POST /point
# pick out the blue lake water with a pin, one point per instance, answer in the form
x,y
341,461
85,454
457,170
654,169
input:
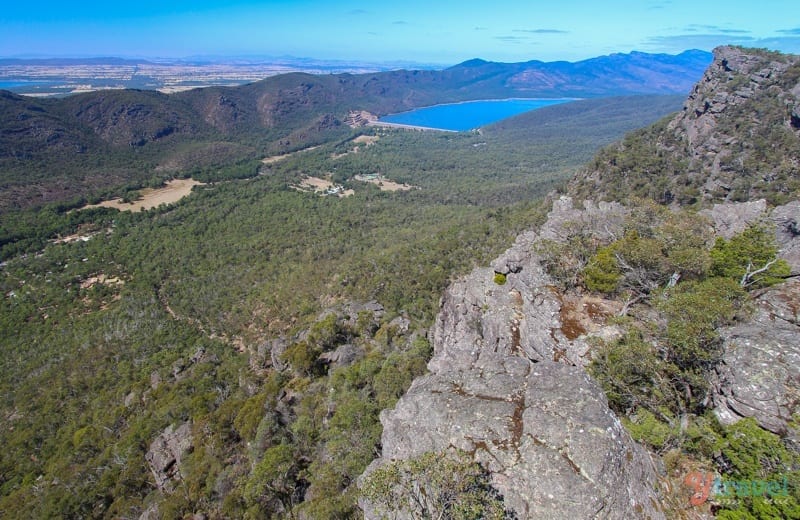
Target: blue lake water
x,y
5,85
12,84
469,114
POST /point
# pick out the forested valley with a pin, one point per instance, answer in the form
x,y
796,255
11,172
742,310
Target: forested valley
x,y
219,316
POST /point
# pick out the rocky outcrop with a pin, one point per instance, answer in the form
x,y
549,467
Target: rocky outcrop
x,y
732,218
737,138
507,386
787,233
165,454
358,118
543,430
365,317
344,356
735,78
603,220
759,375
524,316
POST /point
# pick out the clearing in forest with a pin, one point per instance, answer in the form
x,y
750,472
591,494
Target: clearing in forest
x,y
174,191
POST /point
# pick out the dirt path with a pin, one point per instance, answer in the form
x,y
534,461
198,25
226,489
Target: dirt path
x,y
277,158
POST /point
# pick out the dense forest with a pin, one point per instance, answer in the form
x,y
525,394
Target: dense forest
x,y
267,325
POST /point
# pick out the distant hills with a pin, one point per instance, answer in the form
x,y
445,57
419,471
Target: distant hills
x,y
55,149
616,74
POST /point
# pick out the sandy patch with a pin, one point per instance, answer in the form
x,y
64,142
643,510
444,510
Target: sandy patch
x,y
100,279
73,238
385,184
316,183
174,191
368,139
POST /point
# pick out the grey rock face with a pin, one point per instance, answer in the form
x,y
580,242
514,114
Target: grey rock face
x,y
603,220
714,94
732,218
787,233
760,373
795,121
507,386
165,454
151,513
543,430
344,356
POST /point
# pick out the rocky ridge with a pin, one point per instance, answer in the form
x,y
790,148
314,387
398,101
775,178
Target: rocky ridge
x,y
506,385
734,80
506,382
736,139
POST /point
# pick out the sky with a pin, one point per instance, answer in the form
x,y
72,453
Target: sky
x,y
421,31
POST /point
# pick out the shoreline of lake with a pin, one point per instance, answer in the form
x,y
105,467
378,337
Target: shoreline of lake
x,y
464,116
386,124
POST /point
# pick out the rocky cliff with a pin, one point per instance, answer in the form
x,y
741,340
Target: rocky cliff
x,y
736,139
506,386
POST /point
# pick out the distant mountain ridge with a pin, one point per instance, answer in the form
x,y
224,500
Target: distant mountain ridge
x,y
615,74
108,138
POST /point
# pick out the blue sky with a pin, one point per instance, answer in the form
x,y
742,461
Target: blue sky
x,y
424,31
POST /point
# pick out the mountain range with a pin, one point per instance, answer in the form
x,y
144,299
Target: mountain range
x,y
111,138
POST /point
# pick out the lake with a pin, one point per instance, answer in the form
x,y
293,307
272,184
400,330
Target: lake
x,y
469,114
6,85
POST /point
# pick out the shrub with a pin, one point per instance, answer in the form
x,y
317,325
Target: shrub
x,y
602,274
694,311
500,278
302,357
645,427
435,485
626,369
750,258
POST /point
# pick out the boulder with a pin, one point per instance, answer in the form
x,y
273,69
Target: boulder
x,y
732,218
759,375
543,431
165,454
787,233
344,356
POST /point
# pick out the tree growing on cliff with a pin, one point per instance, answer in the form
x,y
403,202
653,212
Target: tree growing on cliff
x,y
751,258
